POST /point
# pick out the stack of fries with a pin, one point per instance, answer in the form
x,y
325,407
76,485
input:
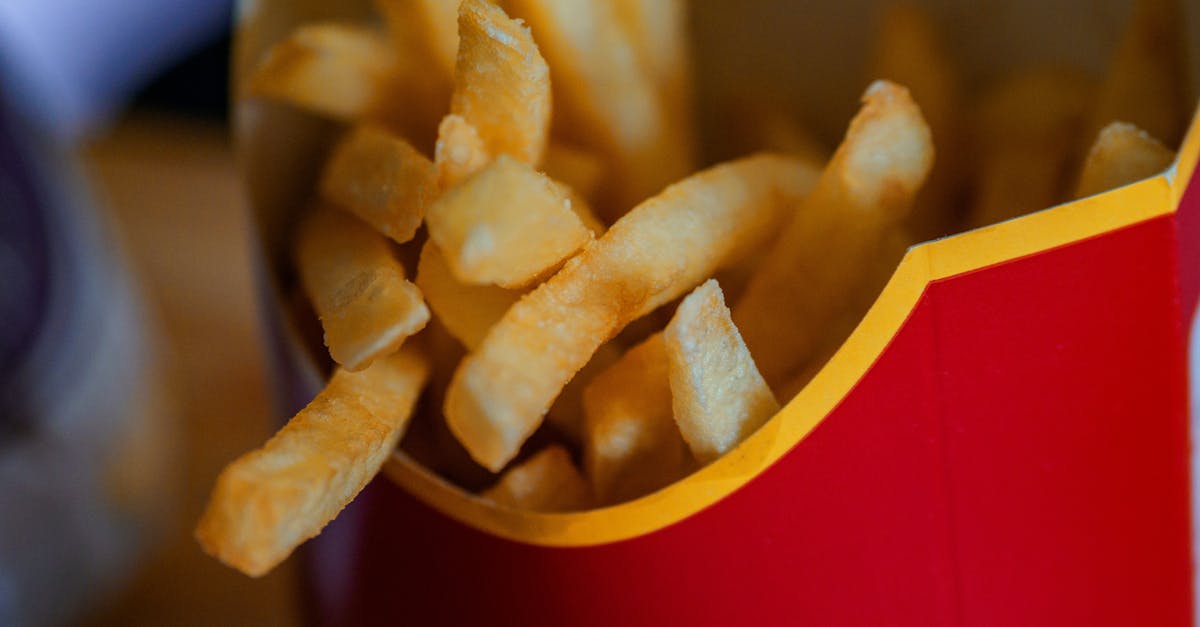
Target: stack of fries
x,y
590,318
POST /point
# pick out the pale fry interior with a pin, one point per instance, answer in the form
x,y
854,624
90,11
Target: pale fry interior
x,y
271,499
357,287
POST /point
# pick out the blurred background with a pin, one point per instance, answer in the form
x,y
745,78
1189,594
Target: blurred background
x,y
132,366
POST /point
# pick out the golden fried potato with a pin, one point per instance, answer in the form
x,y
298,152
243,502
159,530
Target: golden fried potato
x,y
430,26
382,179
1122,154
502,84
505,225
270,500
808,277
605,99
467,311
357,288
911,52
578,168
546,482
459,152
631,445
1027,130
1144,84
657,252
344,71
719,397
567,414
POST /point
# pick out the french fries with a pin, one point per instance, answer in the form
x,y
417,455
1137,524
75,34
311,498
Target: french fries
x,y
546,482
1028,129
367,307
619,336
270,500
505,225
1122,154
663,247
344,71
806,279
631,445
502,84
719,397
467,311
382,179
606,98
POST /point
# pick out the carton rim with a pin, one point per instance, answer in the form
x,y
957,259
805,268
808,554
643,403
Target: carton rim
x,y
922,265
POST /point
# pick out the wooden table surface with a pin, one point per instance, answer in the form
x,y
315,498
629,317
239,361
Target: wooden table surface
x,y
170,187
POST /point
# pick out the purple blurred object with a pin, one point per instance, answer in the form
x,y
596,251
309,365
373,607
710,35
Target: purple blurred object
x,y
68,65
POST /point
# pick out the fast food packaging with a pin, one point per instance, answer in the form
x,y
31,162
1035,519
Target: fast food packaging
x,y
1004,438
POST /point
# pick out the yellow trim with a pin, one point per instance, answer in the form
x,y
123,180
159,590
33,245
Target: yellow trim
x,y
922,264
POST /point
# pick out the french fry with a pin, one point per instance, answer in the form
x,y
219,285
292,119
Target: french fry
x,y
459,152
431,26
270,500
467,311
366,306
580,169
502,84
605,99
911,52
344,71
1028,129
719,397
1122,154
546,482
567,413
1144,84
505,225
655,253
382,179
631,445
808,277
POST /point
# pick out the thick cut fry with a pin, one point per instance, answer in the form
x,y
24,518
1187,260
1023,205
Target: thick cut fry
x,y
580,169
505,225
382,179
502,84
657,252
343,71
357,288
1122,154
546,482
270,500
1027,131
1145,84
605,99
719,397
459,152
631,446
467,311
911,52
810,273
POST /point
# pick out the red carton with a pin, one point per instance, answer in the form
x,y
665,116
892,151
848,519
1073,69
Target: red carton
x,y
1002,440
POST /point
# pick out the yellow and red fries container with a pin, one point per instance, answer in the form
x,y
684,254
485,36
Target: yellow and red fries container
x,y
1003,440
